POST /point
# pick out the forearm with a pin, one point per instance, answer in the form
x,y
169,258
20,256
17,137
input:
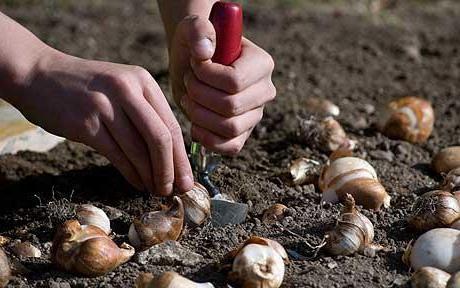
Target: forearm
x,y
20,51
172,12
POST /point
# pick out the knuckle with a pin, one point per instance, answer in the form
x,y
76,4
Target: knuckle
x,y
235,148
234,107
236,82
142,73
233,128
175,129
91,125
120,81
163,139
99,101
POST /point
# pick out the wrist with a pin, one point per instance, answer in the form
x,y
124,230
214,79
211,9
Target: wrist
x,y
20,73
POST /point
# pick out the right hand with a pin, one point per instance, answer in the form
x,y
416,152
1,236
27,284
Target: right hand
x,y
119,110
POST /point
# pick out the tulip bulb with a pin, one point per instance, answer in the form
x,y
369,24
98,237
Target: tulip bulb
x,y
452,181
197,204
327,134
354,176
354,232
434,209
447,159
304,171
26,250
438,248
321,107
408,118
429,277
454,281
156,227
5,270
168,280
87,250
274,213
88,214
258,262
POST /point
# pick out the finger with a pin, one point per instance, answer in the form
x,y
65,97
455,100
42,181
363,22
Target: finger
x,y
222,126
227,104
252,65
219,144
107,146
182,169
158,139
131,143
197,35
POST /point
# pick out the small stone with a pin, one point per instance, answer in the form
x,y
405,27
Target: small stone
x,y
225,212
112,212
310,188
369,108
55,284
402,149
4,240
332,265
382,155
360,123
168,253
25,249
399,281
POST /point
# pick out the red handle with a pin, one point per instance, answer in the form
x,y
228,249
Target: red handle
x,y
227,19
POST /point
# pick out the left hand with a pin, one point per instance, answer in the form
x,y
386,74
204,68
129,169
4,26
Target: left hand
x,y
224,103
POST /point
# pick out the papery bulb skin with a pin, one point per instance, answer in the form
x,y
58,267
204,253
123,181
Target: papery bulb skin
x,y
304,171
429,277
258,262
446,160
156,227
197,204
258,266
5,270
88,214
408,118
274,213
87,250
451,182
26,250
170,280
438,248
454,281
321,107
326,134
354,232
435,209
354,176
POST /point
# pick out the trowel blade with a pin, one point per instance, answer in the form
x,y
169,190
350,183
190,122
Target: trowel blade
x,y
224,212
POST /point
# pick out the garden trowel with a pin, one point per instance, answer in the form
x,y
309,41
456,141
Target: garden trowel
x,y
227,19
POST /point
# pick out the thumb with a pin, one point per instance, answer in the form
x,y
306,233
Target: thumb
x,y
198,35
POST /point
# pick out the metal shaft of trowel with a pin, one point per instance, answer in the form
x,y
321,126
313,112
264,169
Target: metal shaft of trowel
x,y
227,19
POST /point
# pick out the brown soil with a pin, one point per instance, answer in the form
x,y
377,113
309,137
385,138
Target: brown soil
x,y
349,56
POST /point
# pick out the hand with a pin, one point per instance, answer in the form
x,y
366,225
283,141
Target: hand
x,y
224,103
117,109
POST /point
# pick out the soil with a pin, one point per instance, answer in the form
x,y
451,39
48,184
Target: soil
x,y
341,52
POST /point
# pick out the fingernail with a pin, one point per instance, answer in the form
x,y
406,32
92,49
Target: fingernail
x,y
186,182
166,189
204,48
